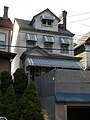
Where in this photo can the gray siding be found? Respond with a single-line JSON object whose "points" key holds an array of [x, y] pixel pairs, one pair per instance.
{"points": [[46, 92]]}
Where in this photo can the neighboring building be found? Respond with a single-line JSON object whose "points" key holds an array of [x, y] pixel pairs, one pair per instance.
{"points": [[82, 49], [43, 44], [5, 41], [65, 94]]}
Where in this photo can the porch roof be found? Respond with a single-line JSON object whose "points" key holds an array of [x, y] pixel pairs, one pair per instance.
{"points": [[53, 62], [72, 97]]}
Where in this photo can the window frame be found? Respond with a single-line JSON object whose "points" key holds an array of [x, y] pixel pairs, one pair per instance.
{"points": [[2, 46], [47, 22], [30, 44], [64, 49], [48, 47]]}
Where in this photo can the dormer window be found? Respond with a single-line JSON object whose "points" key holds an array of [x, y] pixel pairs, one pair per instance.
{"points": [[47, 20]]}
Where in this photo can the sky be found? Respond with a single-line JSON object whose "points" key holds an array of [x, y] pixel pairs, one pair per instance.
{"points": [[78, 12]]}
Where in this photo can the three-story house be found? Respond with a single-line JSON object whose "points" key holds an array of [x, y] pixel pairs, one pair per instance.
{"points": [[43, 44]]}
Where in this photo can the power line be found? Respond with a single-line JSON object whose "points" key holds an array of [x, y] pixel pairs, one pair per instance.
{"points": [[79, 20], [79, 14], [37, 10], [41, 48]]}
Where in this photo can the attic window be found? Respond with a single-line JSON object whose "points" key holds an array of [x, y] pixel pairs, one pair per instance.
{"points": [[47, 20]]}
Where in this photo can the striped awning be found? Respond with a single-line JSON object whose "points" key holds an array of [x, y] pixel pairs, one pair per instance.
{"points": [[72, 97], [49, 39], [49, 62], [31, 37], [64, 41]]}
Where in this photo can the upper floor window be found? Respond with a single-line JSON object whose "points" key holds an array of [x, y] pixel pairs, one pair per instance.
{"points": [[47, 20], [31, 40], [48, 47], [30, 44], [31, 37], [64, 44], [2, 40], [48, 43], [64, 49]]}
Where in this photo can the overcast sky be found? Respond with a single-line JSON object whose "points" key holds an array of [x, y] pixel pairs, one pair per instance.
{"points": [[78, 11]]}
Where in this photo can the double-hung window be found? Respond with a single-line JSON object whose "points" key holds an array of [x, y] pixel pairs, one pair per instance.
{"points": [[48, 43], [64, 45], [2, 40], [31, 40], [47, 20]]}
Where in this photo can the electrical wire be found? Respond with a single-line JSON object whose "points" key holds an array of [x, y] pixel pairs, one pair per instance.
{"points": [[10, 46]]}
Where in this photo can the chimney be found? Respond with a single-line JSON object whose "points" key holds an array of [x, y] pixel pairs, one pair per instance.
{"points": [[64, 14], [5, 15]]}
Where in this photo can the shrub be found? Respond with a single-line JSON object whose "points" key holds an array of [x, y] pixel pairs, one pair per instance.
{"points": [[29, 105], [1, 105], [6, 80], [20, 82], [10, 110]]}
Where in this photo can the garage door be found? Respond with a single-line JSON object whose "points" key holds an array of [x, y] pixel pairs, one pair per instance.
{"points": [[78, 113]]}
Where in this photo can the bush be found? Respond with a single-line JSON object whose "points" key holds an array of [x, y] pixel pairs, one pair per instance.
{"points": [[20, 82], [1, 105], [10, 110], [6, 80], [29, 105]]}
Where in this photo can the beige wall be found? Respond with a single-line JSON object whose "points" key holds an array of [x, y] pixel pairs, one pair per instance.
{"points": [[60, 112], [61, 109]]}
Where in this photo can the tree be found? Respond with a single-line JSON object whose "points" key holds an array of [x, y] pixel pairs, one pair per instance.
{"points": [[1, 105], [20, 82], [29, 105], [6, 80], [10, 110]]}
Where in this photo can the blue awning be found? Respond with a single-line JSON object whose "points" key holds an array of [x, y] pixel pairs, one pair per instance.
{"points": [[31, 37], [49, 39], [56, 63], [64, 40], [47, 17], [72, 97]]}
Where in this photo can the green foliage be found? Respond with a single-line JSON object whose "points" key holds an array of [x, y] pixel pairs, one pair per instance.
{"points": [[29, 105], [1, 105], [28, 102], [6, 80], [21, 118], [20, 82], [10, 109]]}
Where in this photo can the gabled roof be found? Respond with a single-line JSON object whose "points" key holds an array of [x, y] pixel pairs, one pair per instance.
{"points": [[27, 25], [45, 53], [36, 48], [24, 25], [6, 23], [82, 40], [45, 11], [50, 60]]}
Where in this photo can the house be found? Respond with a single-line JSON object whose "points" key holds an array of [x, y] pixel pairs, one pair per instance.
{"points": [[5, 41], [82, 49], [43, 44], [65, 94]]}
